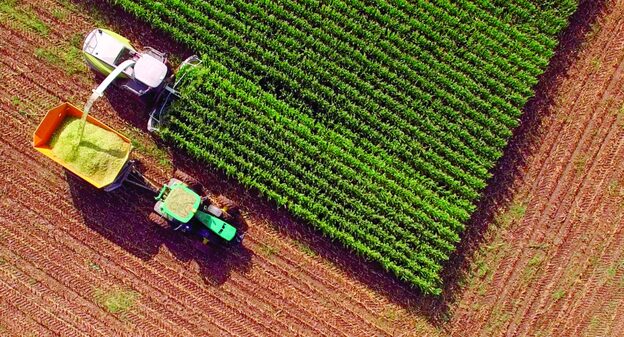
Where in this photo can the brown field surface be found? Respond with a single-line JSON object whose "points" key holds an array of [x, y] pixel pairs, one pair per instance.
{"points": [[543, 256]]}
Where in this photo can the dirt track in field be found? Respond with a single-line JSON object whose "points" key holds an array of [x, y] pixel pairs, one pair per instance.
{"points": [[551, 261], [554, 265]]}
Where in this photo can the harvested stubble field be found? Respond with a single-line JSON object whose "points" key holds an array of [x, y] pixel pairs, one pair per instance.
{"points": [[544, 255]]}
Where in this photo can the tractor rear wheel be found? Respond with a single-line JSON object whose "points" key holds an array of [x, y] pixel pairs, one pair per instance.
{"points": [[157, 219], [192, 182]]}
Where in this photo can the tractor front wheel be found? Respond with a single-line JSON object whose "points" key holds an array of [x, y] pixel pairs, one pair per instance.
{"points": [[228, 205]]}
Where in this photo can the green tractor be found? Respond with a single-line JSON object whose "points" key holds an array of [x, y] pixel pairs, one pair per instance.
{"points": [[188, 213]]}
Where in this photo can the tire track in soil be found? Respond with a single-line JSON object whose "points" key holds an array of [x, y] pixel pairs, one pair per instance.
{"points": [[43, 318], [590, 271], [58, 325], [66, 273], [609, 246], [290, 268], [549, 145], [549, 281], [315, 285], [605, 176], [607, 291], [525, 221], [30, 289], [567, 228], [36, 277], [540, 191], [17, 323], [618, 323], [574, 191]]}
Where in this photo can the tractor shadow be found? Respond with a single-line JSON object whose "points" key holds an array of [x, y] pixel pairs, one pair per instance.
{"points": [[127, 230], [122, 217]]}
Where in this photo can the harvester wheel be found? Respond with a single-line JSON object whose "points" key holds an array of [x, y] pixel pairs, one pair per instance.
{"points": [[157, 219]]}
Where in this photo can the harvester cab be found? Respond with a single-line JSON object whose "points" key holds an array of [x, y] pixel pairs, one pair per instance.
{"points": [[105, 50]]}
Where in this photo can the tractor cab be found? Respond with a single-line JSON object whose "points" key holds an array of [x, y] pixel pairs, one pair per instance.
{"points": [[105, 50], [177, 202], [180, 205]]}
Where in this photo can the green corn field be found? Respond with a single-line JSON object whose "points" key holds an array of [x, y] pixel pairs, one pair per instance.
{"points": [[375, 122]]}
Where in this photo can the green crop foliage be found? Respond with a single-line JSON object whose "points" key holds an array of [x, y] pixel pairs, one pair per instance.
{"points": [[117, 300], [376, 122], [19, 14]]}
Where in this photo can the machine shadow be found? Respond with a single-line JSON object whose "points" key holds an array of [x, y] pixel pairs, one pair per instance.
{"points": [[128, 107], [122, 217], [496, 195]]}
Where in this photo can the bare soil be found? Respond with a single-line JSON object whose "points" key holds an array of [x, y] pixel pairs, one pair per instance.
{"points": [[543, 255]]}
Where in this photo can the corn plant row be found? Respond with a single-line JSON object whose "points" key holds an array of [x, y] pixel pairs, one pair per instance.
{"points": [[335, 188], [311, 67], [376, 122], [468, 191], [330, 51]]}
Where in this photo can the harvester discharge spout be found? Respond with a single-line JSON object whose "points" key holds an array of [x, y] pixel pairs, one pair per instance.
{"points": [[99, 91]]}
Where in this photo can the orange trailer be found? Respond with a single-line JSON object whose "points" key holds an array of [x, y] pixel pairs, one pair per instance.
{"points": [[49, 125]]}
